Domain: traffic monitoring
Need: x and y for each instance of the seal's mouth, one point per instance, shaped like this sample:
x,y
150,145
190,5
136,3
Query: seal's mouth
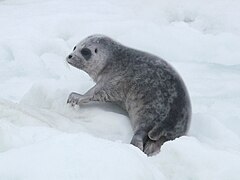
x,y
68,60
74,62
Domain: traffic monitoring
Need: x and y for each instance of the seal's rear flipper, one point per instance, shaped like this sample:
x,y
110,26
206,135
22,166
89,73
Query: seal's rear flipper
x,y
139,139
153,147
156,133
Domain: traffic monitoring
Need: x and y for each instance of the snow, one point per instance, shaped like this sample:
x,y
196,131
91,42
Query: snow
x,y
43,138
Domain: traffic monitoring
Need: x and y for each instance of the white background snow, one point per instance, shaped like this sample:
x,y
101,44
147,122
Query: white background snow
x,y
41,138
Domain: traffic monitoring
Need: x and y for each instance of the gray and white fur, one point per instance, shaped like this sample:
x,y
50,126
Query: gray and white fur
x,y
146,86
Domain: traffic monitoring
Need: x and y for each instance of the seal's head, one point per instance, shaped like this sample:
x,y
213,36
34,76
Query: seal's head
x,y
91,54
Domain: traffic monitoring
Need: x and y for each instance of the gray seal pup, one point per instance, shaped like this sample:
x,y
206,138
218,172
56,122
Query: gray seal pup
x,y
146,86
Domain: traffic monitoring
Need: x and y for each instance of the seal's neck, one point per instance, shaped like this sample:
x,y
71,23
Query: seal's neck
x,y
93,74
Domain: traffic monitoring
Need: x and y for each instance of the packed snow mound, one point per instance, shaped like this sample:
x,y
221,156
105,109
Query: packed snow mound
x,y
77,156
41,137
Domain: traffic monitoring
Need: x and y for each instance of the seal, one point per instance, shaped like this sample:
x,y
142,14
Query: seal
x,y
146,86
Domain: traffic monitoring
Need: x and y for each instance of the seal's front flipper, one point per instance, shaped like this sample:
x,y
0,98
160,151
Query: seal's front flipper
x,y
73,98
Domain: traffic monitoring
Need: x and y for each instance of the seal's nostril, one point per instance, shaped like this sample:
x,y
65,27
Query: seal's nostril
x,y
70,56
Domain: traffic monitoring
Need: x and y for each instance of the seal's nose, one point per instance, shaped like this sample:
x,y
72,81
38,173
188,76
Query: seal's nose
x,y
70,56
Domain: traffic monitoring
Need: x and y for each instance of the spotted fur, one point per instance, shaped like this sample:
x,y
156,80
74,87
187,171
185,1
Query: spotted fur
x,y
146,86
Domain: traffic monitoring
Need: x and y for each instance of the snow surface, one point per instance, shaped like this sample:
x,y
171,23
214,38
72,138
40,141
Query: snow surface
x,y
41,138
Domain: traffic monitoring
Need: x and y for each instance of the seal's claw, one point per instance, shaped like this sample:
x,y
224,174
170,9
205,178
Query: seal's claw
x,y
73,99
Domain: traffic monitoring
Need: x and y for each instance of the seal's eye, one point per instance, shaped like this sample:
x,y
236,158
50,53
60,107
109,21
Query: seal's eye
x,y
86,53
74,48
96,50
